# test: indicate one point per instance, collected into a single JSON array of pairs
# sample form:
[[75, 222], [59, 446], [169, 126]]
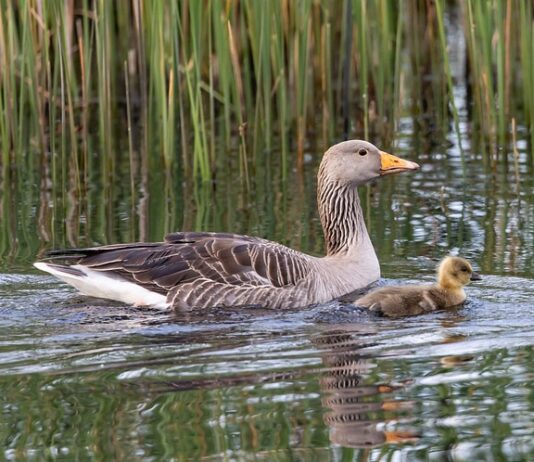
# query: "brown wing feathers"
[[187, 257]]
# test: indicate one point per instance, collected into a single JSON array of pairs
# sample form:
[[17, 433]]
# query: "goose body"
[[453, 274], [191, 270]]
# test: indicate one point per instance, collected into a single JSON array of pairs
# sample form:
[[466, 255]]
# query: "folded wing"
[[184, 257]]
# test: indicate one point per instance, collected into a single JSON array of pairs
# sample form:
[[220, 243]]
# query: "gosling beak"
[[475, 277], [392, 164]]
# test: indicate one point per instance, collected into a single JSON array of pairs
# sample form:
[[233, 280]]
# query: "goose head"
[[456, 272], [357, 162]]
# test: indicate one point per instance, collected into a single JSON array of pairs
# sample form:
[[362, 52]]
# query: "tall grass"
[[75, 75], [500, 40]]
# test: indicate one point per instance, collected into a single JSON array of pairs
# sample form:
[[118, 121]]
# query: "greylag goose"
[[191, 270], [453, 274]]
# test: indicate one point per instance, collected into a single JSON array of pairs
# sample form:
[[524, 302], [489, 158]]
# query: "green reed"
[[499, 36], [526, 45], [178, 77]]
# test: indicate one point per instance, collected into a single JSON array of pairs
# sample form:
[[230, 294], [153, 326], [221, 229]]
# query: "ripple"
[[442, 380]]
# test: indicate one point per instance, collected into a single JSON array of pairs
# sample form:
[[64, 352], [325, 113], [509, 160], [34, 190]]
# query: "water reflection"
[[451, 205], [359, 411], [108, 381]]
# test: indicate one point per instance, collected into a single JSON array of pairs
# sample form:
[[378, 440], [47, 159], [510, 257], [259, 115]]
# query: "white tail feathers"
[[102, 284]]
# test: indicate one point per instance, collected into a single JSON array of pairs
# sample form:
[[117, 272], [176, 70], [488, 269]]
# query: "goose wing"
[[187, 256]]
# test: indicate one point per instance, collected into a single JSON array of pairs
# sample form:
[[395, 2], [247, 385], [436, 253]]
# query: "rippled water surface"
[[82, 379]]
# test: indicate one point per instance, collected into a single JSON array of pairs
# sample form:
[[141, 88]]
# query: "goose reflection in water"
[[358, 415], [357, 410]]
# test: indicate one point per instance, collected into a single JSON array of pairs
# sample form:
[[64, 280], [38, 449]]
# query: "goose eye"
[[465, 270], [362, 152]]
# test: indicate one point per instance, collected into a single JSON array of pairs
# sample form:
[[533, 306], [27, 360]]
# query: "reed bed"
[[499, 37], [85, 84]]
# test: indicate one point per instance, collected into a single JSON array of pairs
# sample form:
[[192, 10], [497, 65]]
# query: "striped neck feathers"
[[341, 215]]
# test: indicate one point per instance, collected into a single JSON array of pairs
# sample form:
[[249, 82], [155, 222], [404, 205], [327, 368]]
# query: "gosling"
[[453, 274]]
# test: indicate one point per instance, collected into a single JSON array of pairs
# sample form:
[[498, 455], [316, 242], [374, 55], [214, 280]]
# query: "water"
[[83, 379], [89, 380]]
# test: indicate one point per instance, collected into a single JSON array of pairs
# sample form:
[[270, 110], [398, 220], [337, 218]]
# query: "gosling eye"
[[362, 152], [465, 270]]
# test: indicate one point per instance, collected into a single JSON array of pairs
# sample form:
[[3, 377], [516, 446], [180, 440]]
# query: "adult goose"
[[191, 270]]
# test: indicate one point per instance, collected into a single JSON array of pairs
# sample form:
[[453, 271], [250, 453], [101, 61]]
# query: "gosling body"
[[453, 274]]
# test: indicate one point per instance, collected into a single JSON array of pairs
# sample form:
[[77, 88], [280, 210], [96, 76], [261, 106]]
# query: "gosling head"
[[456, 272], [356, 162]]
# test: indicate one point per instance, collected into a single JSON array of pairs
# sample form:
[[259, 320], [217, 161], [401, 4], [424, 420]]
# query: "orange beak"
[[392, 164]]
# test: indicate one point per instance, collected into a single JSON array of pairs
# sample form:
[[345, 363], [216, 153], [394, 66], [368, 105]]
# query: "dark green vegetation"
[[191, 82], [124, 123], [107, 108]]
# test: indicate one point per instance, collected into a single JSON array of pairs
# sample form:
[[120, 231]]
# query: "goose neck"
[[341, 217]]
